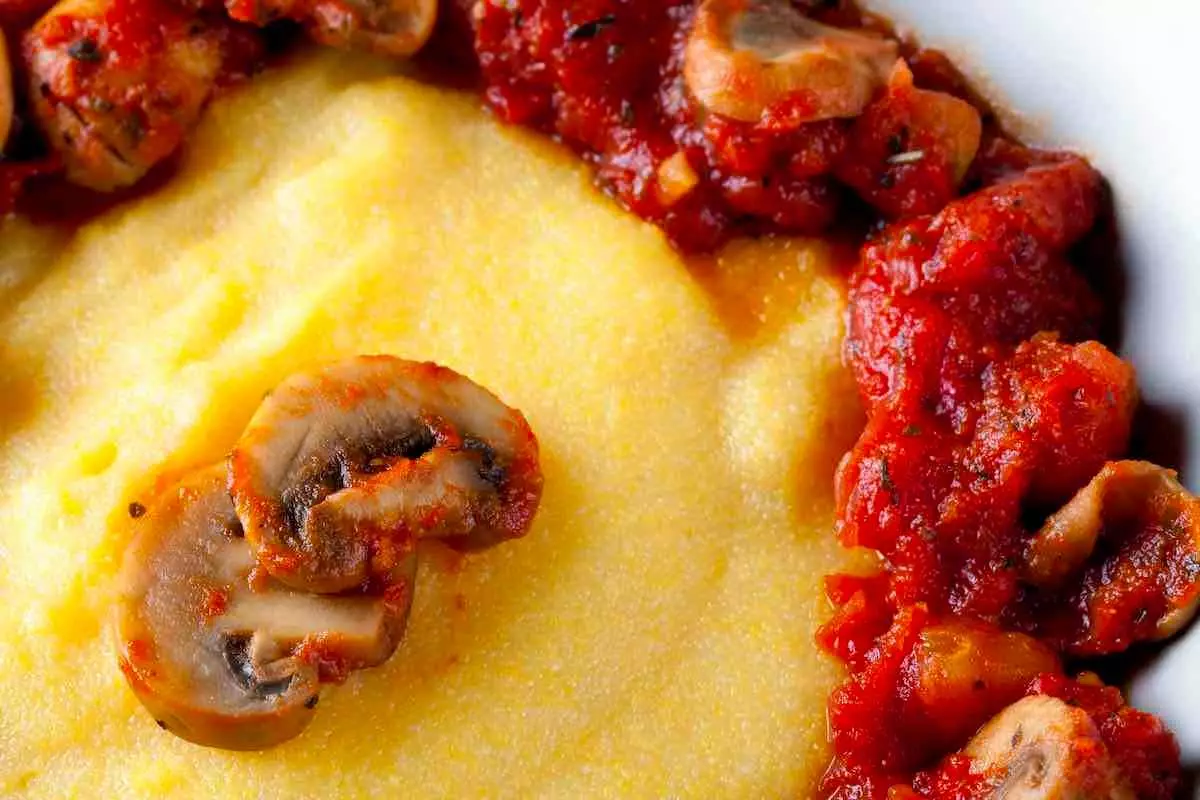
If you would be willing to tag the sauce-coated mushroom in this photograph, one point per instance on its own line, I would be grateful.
(744, 57)
(1041, 748)
(223, 657)
(344, 468)
(112, 99)
(1126, 548)
(964, 672)
(388, 27)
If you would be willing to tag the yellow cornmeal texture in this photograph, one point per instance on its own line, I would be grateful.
(651, 637)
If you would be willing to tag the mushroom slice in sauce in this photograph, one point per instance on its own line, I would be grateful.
(343, 469)
(745, 56)
(1041, 748)
(1149, 526)
(218, 656)
(113, 114)
(966, 671)
(388, 27)
(391, 28)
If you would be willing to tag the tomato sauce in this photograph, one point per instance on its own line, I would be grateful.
(971, 335)
(605, 76)
(970, 330)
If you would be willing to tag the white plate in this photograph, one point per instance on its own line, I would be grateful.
(1117, 81)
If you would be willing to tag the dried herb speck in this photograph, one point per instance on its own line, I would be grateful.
(590, 29)
(885, 478)
(627, 115)
(85, 50)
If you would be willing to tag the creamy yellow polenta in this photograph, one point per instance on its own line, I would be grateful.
(651, 637)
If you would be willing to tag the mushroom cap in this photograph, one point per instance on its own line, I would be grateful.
(389, 27)
(1150, 525)
(342, 469)
(744, 56)
(113, 118)
(216, 659)
(1041, 748)
(966, 671)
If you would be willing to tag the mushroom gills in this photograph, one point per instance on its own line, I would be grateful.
(343, 457)
(259, 676)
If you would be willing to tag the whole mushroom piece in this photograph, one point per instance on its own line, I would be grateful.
(113, 107)
(219, 657)
(388, 27)
(1127, 548)
(1041, 748)
(965, 671)
(744, 57)
(343, 469)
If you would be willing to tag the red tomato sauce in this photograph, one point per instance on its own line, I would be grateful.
(605, 76)
(971, 335)
(970, 331)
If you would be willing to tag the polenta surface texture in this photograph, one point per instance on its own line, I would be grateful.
(651, 637)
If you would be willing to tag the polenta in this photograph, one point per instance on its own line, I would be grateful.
(652, 635)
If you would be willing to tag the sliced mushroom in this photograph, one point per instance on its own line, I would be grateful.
(1142, 513)
(389, 27)
(112, 110)
(1040, 748)
(222, 658)
(967, 671)
(342, 469)
(1117, 495)
(745, 56)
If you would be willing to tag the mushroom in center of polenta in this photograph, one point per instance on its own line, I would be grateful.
(249, 586)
